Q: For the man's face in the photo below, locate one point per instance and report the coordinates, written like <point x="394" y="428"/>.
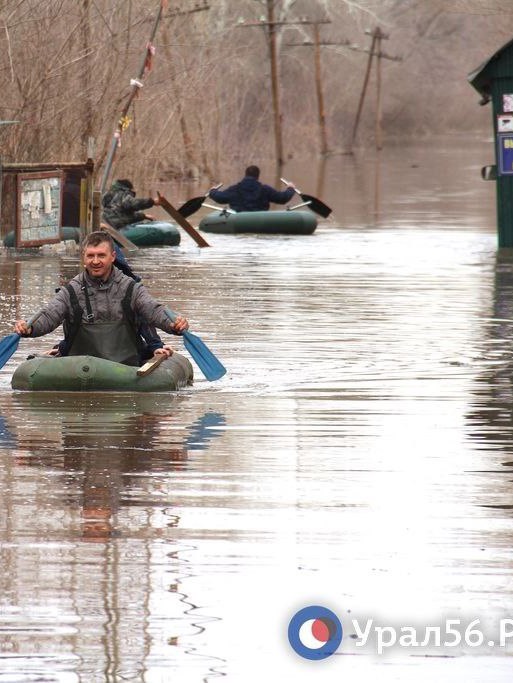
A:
<point x="98" y="260"/>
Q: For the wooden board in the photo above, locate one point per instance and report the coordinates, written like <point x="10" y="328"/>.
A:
<point x="150" y="365"/>
<point x="124" y="241"/>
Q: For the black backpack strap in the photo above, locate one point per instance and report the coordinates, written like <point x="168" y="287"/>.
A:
<point x="75" y="306"/>
<point x="90" y="316"/>
<point x="126" y="304"/>
<point x="129" y="315"/>
<point x="72" y="324"/>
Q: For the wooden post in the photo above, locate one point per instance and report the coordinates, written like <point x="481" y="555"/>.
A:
<point x="187" y="142"/>
<point x="364" y="89"/>
<point x="318" y="86"/>
<point x="317" y="44"/>
<point x="271" y="25"/>
<point x="378" y="89"/>
<point x="321" y="174"/>
<point x="275" y="85"/>
<point x="87" y="108"/>
<point x="375" y="51"/>
<point x="97" y="202"/>
<point x="84" y="205"/>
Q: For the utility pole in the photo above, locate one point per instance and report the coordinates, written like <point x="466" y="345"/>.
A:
<point x="318" y="89"/>
<point x="317" y="44"/>
<point x="85" y="31"/>
<point x="374" y="51"/>
<point x="275" y="84"/>
<point x="184" y="127"/>
<point x="379" y="116"/>
<point x="271" y="24"/>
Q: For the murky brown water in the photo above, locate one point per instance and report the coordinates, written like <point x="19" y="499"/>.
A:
<point x="358" y="454"/>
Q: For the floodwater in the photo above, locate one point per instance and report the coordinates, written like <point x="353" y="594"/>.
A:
<point x="358" y="455"/>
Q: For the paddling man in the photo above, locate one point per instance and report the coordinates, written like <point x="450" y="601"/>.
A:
<point x="121" y="207"/>
<point x="102" y="309"/>
<point x="250" y="194"/>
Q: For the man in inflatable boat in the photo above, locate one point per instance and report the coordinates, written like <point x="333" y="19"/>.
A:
<point x="121" y="207"/>
<point x="104" y="312"/>
<point x="250" y="194"/>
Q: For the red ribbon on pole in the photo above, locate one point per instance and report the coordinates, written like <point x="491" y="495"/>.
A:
<point x="150" y="53"/>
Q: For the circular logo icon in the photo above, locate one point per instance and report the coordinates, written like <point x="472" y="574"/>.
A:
<point x="315" y="632"/>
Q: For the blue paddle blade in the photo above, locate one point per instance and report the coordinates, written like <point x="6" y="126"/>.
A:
<point x="209" y="365"/>
<point x="8" y="346"/>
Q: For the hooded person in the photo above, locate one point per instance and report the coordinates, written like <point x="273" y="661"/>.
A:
<point x="121" y="207"/>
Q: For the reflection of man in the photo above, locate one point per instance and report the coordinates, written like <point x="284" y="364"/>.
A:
<point x="250" y="194"/>
<point x="102" y="309"/>
<point x="97" y="520"/>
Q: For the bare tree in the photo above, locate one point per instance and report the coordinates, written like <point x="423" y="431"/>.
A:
<point x="66" y="65"/>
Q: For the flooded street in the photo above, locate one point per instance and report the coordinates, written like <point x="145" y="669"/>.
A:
<point x="357" y="455"/>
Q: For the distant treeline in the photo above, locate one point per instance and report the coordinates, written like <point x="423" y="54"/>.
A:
<point x="206" y="103"/>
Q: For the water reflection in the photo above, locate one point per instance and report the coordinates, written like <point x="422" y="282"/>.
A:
<point x="489" y="419"/>
<point x="90" y="485"/>
<point x="357" y="454"/>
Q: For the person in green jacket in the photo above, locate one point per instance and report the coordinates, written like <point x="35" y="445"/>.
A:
<point x="121" y="207"/>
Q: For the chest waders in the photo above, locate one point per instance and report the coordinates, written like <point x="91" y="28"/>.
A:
<point x="114" y="340"/>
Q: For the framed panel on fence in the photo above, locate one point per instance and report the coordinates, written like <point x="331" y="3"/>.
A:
<point x="39" y="208"/>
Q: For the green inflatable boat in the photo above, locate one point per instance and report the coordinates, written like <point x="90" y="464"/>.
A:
<point x="266" y="222"/>
<point x="153" y="234"/>
<point x="87" y="373"/>
<point x="67" y="233"/>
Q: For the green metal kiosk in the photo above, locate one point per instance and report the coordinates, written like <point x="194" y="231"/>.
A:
<point x="494" y="82"/>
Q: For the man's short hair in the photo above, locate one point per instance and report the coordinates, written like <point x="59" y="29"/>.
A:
<point x="96" y="238"/>
<point x="253" y="171"/>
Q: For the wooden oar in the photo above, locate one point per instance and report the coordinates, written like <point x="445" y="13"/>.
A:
<point x="119" y="237"/>
<point x="315" y="204"/>
<point x="175" y="215"/>
<point x="9" y="344"/>
<point x="209" y="365"/>
<point x="194" y="204"/>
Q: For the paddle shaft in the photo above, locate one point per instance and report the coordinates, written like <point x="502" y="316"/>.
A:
<point x="299" y="206"/>
<point x="195" y="204"/>
<point x="9" y="344"/>
<point x="316" y="205"/>
<point x="183" y="222"/>
<point x="218" y="208"/>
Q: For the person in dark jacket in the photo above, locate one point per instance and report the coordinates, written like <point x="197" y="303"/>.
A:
<point x="250" y="194"/>
<point x="121" y="207"/>
<point x="102" y="309"/>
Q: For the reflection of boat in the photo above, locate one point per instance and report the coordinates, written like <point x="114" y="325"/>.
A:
<point x="152" y="234"/>
<point x="267" y="222"/>
<point x="67" y="233"/>
<point x="87" y="373"/>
